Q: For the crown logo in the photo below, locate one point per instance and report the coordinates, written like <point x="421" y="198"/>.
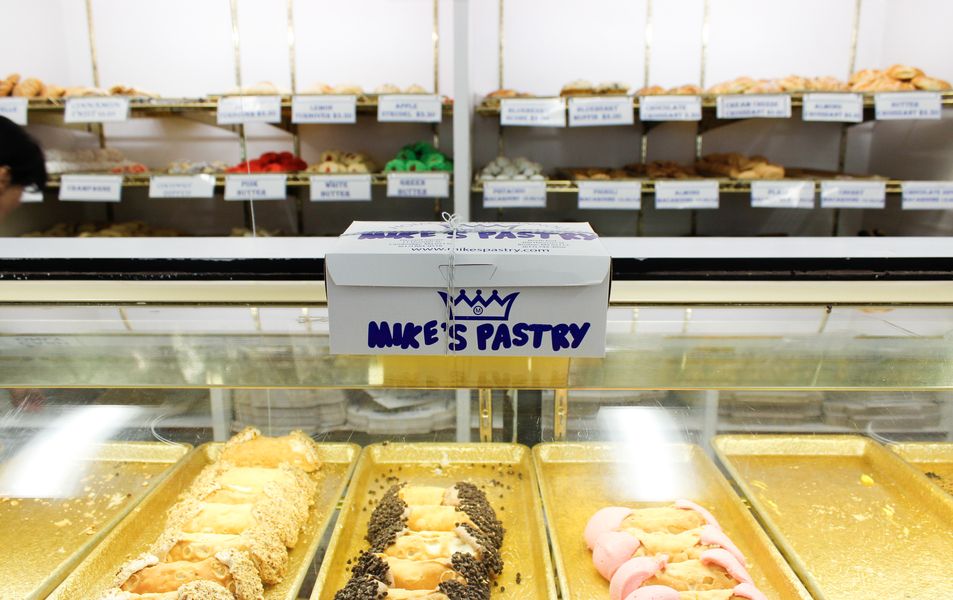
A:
<point x="478" y="308"/>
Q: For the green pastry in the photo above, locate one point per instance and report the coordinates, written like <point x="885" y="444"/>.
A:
<point x="395" y="165"/>
<point x="406" y="154"/>
<point x="416" y="165"/>
<point x="433" y="160"/>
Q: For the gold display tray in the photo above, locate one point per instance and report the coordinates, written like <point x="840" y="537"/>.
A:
<point x="491" y="107"/>
<point x="143" y="526"/>
<point x="505" y="471"/>
<point x="854" y="520"/>
<point x="578" y="479"/>
<point x="935" y="459"/>
<point x="43" y="539"/>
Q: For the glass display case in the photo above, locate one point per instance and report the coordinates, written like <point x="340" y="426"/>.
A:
<point x="784" y="408"/>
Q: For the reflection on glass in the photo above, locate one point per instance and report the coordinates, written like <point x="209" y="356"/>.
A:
<point x="651" y="465"/>
<point x="51" y="465"/>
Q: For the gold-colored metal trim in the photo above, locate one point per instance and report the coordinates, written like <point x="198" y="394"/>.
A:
<point x="436" y="47"/>
<point x="560" y="414"/>
<point x="623" y="293"/>
<point x="91" y="33"/>
<point x="725" y="186"/>
<point x="486" y="415"/>
<point x="501" y="48"/>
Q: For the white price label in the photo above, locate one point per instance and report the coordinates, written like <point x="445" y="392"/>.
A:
<point x="14" y="109"/>
<point x="235" y="110"/>
<point x="404" y="108"/>
<point x="754" y="106"/>
<point x="514" y="194"/>
<point x="670" y="108"/>
<point x="533" y="112"/>
<point x="324" y="109"/>
<point x="31" y="196"/>
<point x="782" y="194"/>
<point x="596" y="111"/>
<point x="840" y="108"/>
<point x="182" y="186"/>
<point x="686" y="195"/>
<point x="853" y="194"/>
<point x="418" y="185"/>
<point x="907" y="105"/>
<point x="96" y="110"/>
<point x="256" y="187"/>
<point x="340" y="188"/>
<point x="91" y="188"/>
<point x="927" y="195"/>
<point x="610" y="195"/>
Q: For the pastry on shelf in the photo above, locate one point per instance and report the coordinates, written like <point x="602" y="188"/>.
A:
<point x="30" y="87"/>
<point x="334" y="162"/>
<point x="188" y="167"/>
<point x="660" y="552"/>
<point x="415" y="89"/>
<point x="577" y="87"/>
<point x="596" y="173"/>
<point x="270" y="162"/>
<point x="657" y="90"/>
<point x="123" y="90"/>
<point x="431" y="543"/>
<point x="126" y="229"/>
<point x="612" y="88"/>
<point x="324" y="88"/>
<point x="505" y="168"/>
<point x="738" y="166"/>
<point x="420" y="156"/>
<point x="233" y="525"/>
<point x="89" y="160"/>
<point x="897" y="78"/>
<point x="387" y="88"/>
<point x="493" y="98"/>
<point x="259" y="232"/>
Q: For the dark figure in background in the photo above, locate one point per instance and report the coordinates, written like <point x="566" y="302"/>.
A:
<point x="21" y="165"/>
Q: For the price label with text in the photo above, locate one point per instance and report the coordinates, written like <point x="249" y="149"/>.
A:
<point x="91" y="188"/>
<point x="31" y="196"/>
<point x="409" y="108"/>
<point x="853" y="194"/>
<point x="340" y="188"/>
<point x="96" y="110"/>
<point x="782" y="194"/>
<point x="927" y="195"/>
<point x="256" y="187"/>
<point x="533" y="112"/>
<point x="418" y="185"/>
<point x="596" y="111"/>
<point x="14" y="109"/>
<point x="907" y="105"/>
<point x="686" y="195"/>
<point x="182" y="186"/>
<point x="514" y="194"/>
<point x="610" y="195"/>
<point x="840" y="108"/>
<point x="754" y="106"/>
<point x="324" y="109"/>
<point x="235" y="110"/>
<point x="670" y="108"/>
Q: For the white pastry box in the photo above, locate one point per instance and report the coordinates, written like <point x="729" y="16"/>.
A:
<point x="501" y="289"/>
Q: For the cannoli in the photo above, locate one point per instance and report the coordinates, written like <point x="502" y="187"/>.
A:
<point x="249" y="448"/>
<point x="195" y="590"/>
<point x="276" y="514"/>
<point x="230" y="569"/>
<point x="463" y="577"/>
<point x="263" y="547"/>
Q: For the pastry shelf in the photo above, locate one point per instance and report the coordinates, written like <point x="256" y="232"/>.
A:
<point x="158" y="107"/>
<point x="138" y="180"/>
<point x="725" y="186"/>
<point x="709" y="103"/>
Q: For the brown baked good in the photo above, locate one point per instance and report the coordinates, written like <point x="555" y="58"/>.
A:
<point x="793" y="83"/>
<point x="826" y="84"/>
<point x="249" y="448"/>
<point x="931" y="84"/>
<point x="652" y="90"/>
<point x="577" y="87"/>
<point x="686" y="90"/>
<point x="28" y="88"/>
<point x="904" y="72"/>
<point x="230" y="569"/>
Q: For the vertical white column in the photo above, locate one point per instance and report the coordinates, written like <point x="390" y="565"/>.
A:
<point x="463" y="415"/>
<point x="221" y="413"/>
<point x="462" y="113"/>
